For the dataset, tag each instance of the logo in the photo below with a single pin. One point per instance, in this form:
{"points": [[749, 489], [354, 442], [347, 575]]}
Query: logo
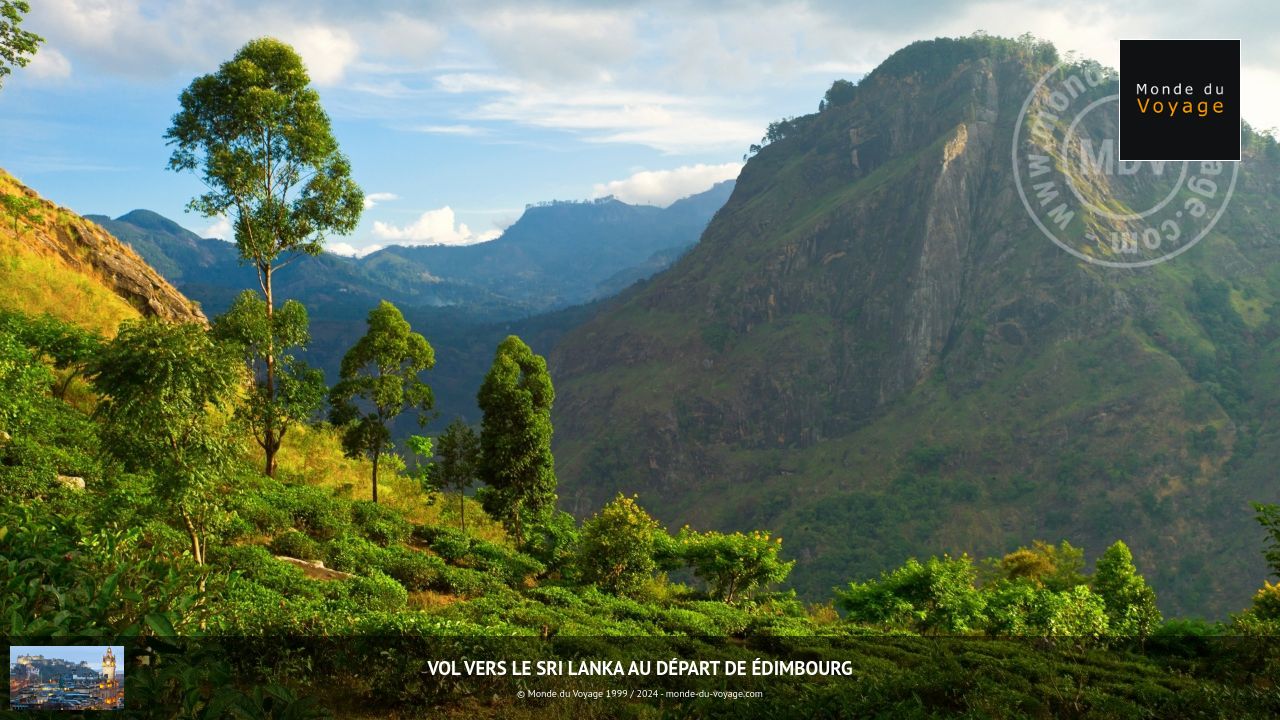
{"points": [[1097, 207]]}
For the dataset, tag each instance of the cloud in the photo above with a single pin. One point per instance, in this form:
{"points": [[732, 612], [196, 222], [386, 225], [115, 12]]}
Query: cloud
{"points": [[663, 187], [434, 227], [49, 64], [555, 45], [667, 122], [466, 130], [372, 199], [221, 229], [349, 250], [326, 51]]}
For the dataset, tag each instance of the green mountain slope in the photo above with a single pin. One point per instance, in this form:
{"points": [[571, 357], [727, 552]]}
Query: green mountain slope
{"points": [[874, 351]]}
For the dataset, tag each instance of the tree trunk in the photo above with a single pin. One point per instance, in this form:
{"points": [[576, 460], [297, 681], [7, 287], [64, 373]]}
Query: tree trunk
{"points": [[462, 510], [270, 443], [376, 453]]}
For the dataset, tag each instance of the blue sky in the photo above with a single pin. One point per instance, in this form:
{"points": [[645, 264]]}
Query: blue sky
{"points": [[456, 115]]}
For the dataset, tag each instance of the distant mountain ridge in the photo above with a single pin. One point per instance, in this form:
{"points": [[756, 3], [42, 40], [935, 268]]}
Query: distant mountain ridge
{"points": [[604, 244]]}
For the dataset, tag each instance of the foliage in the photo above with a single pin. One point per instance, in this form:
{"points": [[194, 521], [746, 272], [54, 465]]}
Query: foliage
{"points": [[70, 347], [935, 596], [734, 564], [22, 380], [616, 547], [1130, 602], [160, 383], [458, 449], [841, 92], [297, 392], [378, 381], [377, 591], [16, 45], [296, 545], [515, 437], [1057, 568], [1266, 602], [256, 132], [19, 208], [383, 526], [1269, 519]]}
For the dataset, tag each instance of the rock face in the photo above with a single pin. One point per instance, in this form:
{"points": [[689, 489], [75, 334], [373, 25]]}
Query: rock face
{"points": [[874, 351], [84, 247]]}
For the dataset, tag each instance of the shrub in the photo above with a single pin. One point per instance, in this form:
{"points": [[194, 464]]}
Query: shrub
{"points": [[513, 566], [378, 591], [296, 545], [255, 563], [414, 570], [463, 581], [734, 564], [448, 543], [351, 553], [616, 549], [315, 511], [379, 523], [262, 512]]}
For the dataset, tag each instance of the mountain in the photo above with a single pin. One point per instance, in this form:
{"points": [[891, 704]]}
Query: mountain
{"points": [[465, 300], [875, 351], [604, 241], [59, 263]]}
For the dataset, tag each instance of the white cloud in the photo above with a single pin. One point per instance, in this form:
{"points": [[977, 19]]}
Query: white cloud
{"points": [[49, 64], [663, 187], [349, 250], [434, 227], [221, 229], [466, 130], [326, 51], [667, 122], [372, 199], [555, 45]]}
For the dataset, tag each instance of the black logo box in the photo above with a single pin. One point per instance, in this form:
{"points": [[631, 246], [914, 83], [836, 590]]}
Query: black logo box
{"points": [[1185, 65]]}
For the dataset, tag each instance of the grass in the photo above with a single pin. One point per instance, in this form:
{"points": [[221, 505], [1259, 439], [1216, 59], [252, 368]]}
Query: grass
{"points": [[36, 281]]}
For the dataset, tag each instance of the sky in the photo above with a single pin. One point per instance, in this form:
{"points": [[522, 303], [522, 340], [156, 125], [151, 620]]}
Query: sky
{"points": [[91, 654], [456, 115]]}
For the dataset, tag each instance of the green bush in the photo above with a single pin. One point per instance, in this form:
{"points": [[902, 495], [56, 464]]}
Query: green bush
{"points": [[380, 523], [378, 592], [264, 513], [255, 563], [297, 545], [464, 581], [315, 511], [448, 543], [415, 570], [513, 566], [351, 553], [616, 549]]}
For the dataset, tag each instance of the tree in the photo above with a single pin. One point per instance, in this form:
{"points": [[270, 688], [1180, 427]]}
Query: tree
{"points": [[160, 384], [616, 547], [841, 92], [299, 390], [378, 381], [733, 564], [256, 132], [23, 379], [20, 209], [70, 347], [1054, 567], [1269, 519], [937, 595], [16, 45], [459, 453], [515, 436], [1130, 602]]}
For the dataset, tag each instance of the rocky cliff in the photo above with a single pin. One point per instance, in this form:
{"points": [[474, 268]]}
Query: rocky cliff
{"points": [[63, 248]]}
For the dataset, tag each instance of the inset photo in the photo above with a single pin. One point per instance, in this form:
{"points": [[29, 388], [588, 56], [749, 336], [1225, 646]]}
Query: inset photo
{"points": [[66, 677]]}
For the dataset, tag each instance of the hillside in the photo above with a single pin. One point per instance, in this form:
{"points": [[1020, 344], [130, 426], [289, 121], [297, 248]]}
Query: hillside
{"points": [[59, 263], [874, 351]]}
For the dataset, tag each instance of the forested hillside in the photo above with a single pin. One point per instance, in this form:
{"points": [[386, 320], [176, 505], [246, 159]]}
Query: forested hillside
{"points": [[875, 352]]}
